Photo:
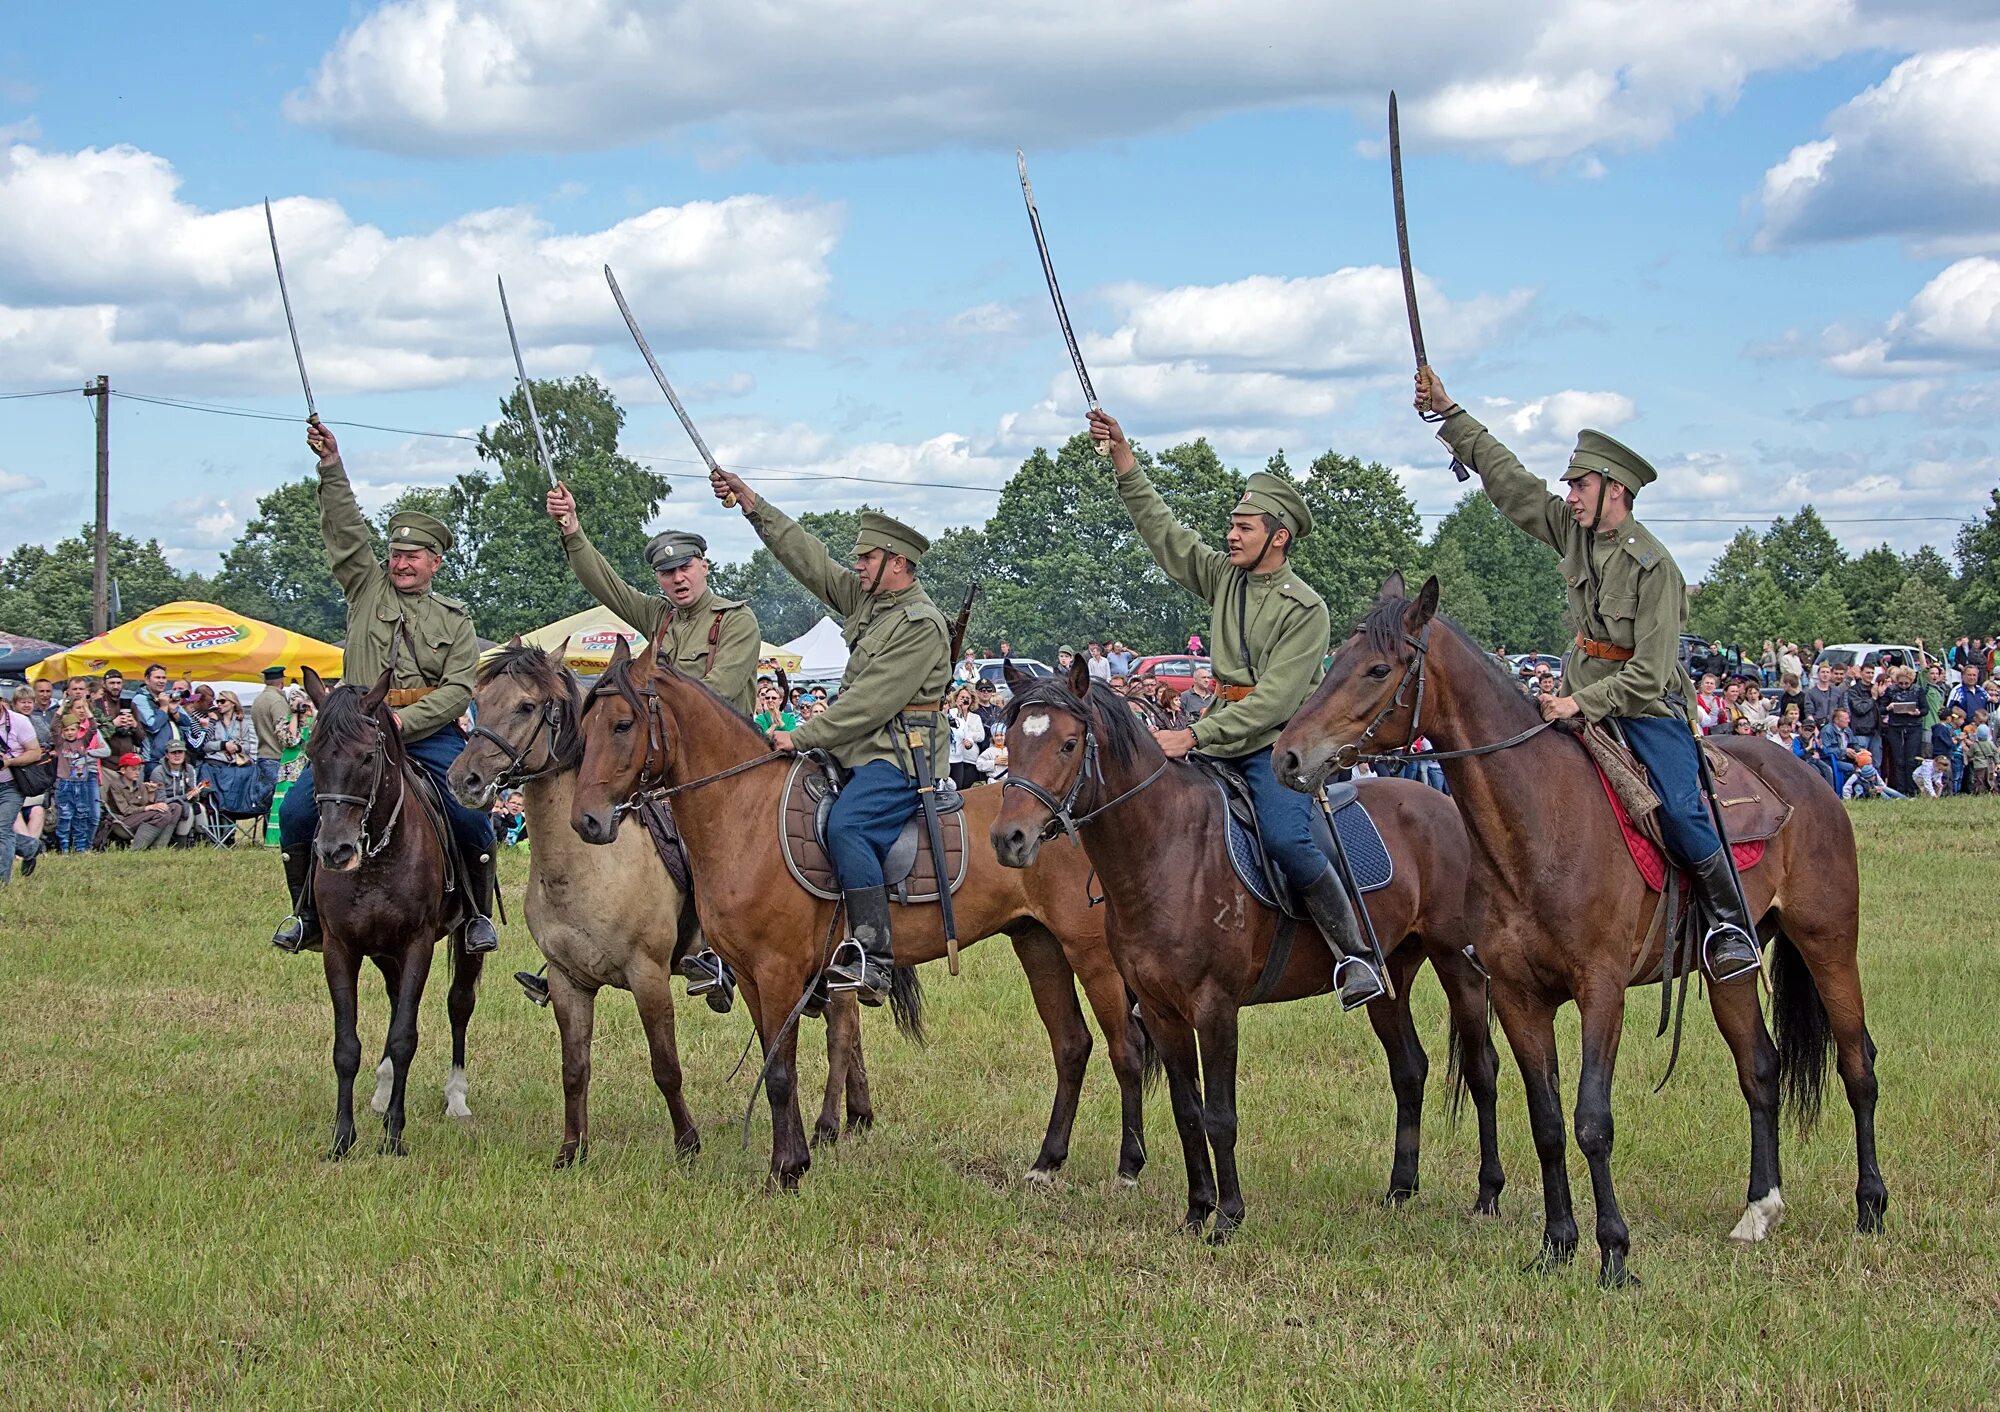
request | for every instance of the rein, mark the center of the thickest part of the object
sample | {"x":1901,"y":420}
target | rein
{"x":1062,"y":819}
{"x":656,"y":744}
{"x":380,"y":759}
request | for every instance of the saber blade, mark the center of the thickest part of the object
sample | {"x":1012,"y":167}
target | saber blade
{"x":1055,"y":292}
{"x":285,"y":294}
{"x":521,"y":372}
{"x":673,"y":400}
{"x":1403,"y":255}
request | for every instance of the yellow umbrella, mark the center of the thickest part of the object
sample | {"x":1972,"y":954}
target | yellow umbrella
{"x":198,"y":640}
{"x":594,"y":633}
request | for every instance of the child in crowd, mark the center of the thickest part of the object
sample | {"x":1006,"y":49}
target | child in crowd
{"x":1866,"y":782}
{"x":1982,"y":758}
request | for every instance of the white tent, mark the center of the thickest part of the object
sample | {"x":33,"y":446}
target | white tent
{"x":822,"y":651}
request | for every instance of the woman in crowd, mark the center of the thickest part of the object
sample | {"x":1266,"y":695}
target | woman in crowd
{"x":176,"y":783}
{"x":229,"y":755}
{"x":1864,"y":707}
{"x":770,"y":709}
{"x":1767,"y":663}
{"x":79,"y":748}
{"x":1167,"y":703}
{"x":968,"y":737}
{"x":1711,"y":711}
{"x":1902,"y":720}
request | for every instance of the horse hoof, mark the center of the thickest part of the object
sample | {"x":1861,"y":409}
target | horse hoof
{"x":859,"y":1123}
{"x":1549,"y":1260}
{"x":338,"y":1150}
{"x":1225,"y":1227}
{"x":1397,"y":1196}
{"x":1486,"y":1206}
{"x":392,"y":1147}
{"x":1195,"y":1222}
{"x":1869,"y":1215}
{"x":566,"y":1157}
{"x":825,"y":1135}
{"x":1759,"y":1219}
{"x":1128,"y":1181}
{"x":1614,"y":1275}
{"x":455,"y":1089}
{"x":1040,"y":1178}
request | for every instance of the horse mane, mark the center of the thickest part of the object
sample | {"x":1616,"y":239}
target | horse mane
{"x":1383,"y":627}
{"x":341,"y":721}
{"x":535,"y":667}
{"x":1124,"y":738}
{"x":618,"y":678}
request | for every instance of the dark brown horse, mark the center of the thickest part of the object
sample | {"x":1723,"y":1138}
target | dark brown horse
{"x":604,"y":916}
{"x":379,"y":876}
{"x":1567,"y":915}
{"x":652,"y":725}
{"x":1193,"y":943}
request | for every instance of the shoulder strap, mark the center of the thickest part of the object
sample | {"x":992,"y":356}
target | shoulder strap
{"x":714,"y":636}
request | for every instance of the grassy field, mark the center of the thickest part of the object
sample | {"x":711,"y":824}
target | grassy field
{"x":170,"y":1236}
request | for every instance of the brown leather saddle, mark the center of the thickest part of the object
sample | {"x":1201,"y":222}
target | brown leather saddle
{"x":1752,"y":811}
{"x":808,"y":798}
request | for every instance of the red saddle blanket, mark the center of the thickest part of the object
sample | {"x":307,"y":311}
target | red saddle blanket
{"x":1651,"y":862}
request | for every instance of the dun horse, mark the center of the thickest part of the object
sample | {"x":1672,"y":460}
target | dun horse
{"x":603,"y":916}
{"x":1194,"y":944}
{"x":651,"y":725}
{"x":1567,"y":914}
{"x":379,"y":875}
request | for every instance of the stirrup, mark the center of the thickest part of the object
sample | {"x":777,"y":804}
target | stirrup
{"x":1367,"y":973}
{"x":708,"y":976}
{"x":1723,"y":967}
{"x":853,"y":969}
{"x":536,"y":987}
{"x":480,"y":937}
{"x":292,"y":935}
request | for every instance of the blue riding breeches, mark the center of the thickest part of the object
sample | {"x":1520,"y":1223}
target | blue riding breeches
{"x":298,"y":816}
{"x":1666,"y":747}
{"x":863,"y":824}
{"x":1284,"y":816}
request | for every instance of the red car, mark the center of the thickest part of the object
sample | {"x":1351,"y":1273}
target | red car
{"x":1177,"y":670}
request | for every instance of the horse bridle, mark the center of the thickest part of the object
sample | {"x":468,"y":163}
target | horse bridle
{"x":656,"y":743}
{"x":1062,"y":818}
{"x":517,"y":772}
{"x":380,"y":760}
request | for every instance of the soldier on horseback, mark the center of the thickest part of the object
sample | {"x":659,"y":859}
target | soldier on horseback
{"x":1268,"y":633}
{"x":883,"y":727}
{"x":388,"y":607}
{"x":713,"y":639}
{"x":1629,"y":598}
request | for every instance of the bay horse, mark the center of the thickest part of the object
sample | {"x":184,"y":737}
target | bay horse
{"x":603,"y":916}
{"x":652,"y":726}
{"x":1193,"y":942}
{"x":1567,"y":914}
{"x":379,"y":876}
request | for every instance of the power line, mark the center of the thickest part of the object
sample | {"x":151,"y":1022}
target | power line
{"x":49,"y":392}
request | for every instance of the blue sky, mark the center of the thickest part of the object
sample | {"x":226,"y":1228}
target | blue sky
{"x":1760,"y":244}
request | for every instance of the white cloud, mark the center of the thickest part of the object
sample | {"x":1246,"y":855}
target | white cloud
{"x":1916,"y":156}
{"x":14,"y":482}
{"x":1560,"y":415}
{"x":1537,"y":81}
{"x":1952,"y":323}
{"x":102,"y":264}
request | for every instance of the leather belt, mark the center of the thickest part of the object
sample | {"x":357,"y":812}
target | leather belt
{"x":922,"y":708}
{"x":1229,"y":692}
{"x":401,"y":696}
{"x":1603,"y":651}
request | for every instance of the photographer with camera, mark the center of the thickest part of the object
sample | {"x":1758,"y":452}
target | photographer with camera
{"x":159,"y":715}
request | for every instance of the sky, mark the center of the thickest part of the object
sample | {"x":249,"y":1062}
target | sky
{"x":1758,"y":242}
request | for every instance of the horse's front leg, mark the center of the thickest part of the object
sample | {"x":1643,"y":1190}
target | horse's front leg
{"x":1175,"y":1039}
{"x":1409,"y":1068}
{"x":1531,"y":1032}
{"x":343,"y":974}
{"x":1218,"y":1110}
{"x":576,"y":1015}
{"x":459,"y":1002}
{"x":1054,"y":990}
{"x":403,"y":1041}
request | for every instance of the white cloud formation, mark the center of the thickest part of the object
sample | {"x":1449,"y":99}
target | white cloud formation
{"x":1535,"y":81}
{"x":1951,"y":324}
{"x":102,"y":264}
{"x":1916,"y":156}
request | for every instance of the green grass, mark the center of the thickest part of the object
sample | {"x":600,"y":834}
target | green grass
{"x":170,"y":1237}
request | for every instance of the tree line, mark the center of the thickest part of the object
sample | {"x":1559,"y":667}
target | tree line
{"x":1057,"y":560}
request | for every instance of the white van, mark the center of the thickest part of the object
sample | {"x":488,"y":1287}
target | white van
{"x":1870,"y":654}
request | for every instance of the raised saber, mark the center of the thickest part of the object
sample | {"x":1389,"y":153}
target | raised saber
{"x":521,"y":372}
{"x":1055,"y":292}
{"x":1409,"y":270}
{"x":646,"y":352}
{"x":312,"y":412}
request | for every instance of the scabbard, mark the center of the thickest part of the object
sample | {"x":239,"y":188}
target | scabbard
{"x":920,"y":756}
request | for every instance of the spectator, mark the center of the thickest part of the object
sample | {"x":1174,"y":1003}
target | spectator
{"x":1097,"y":666}
{"x":1767,"y":664}
{"x":1121,"y":659}
{"x":967,"y":669}
{"x":116,"y":721}
{"x":993,"y":759}
{"x":1167,"y":707}
{"x":510,"y":821}
{"x":159,"y":717}
{"x":28,"y":825}
{"x":1790,"y":695}
{"x":1982,"y":760}
{"x":1789,"y":664}
{"x":986,"y":700}
{"x":770,"y":709}
{"x":1934,"y":690}
{"x":1064,"y":656}
{"x":227,"y":756}
{"x":47,"y":708}
{"x":1710,"y":710}
{"x":968,"y":737}
{"x":1867,"y":783}
{"x":18,"y":746}
{"x":177,"y":784}
{"x":79,"y":747}
{"x":128,"y":798}
{"x":1823,"y":695}
{"x":1835,"y":750}
{"x":1118,"y":683}
{"x":1198,"y":698}
{"x":1863,"y":707}
{"x":270,"y":713}
{"x":1902,"y":729}
{"x":1948,"y":751}
{"x":1968,"y":696}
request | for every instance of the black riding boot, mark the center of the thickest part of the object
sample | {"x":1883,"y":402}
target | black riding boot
{"x":534,"y":985}
{"x":1728,"y":947}
{"x":479,"y":880}
{"x":706,"y":973}
{"x":301,"y":929}
{"x":863,"y":962}
{"x":1354,"y":974}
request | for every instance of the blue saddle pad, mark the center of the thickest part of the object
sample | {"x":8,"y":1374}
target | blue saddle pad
{"x":1367,"y":856}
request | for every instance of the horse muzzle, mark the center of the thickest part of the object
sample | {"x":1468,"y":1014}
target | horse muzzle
{"x":1015,"y":845}
{"x":337,"y":855}
{"x":596,"y":825}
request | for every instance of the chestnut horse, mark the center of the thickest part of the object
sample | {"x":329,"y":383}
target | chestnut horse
{"x":1194,"y":944}
{"x":379,"y":877}
{"x":652,"y":726}
{"x":604,"y":916}
{"x":1567,"y":915}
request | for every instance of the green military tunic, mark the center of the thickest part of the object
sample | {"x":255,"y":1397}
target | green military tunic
{"x":729,"y":667}
{"x":446,"y":650}
{"x":898,"y":645}
{"x":1265,"y":631}
{"x":1624,"y":588}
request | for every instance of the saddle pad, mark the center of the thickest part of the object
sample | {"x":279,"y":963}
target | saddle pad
{"x":908,"y":868}
{"x":1648,"y":857}
{"x":1367,"y":855}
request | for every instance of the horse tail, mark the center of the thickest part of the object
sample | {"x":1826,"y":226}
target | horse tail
{"x":1803,"y":1034}
{"x":1456,"y":1086}
{"x":906,"y":1002}
{"x":1151,"y":1065}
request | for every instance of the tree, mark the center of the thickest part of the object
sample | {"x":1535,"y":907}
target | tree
{"x":46,"y":593}
{"x":1868,"y":582}
{"x":1919,"y":613}
{"x":277,"y":569}
{"x":1517,"y":575}
{"x":1364,"y":527}
{"x":957,"y":559}
{"x":785,"y":610}
{"x":1979,"y":572}
{"x":1800,"y":552}
{"x":1820,"y":613}
{"x":1715,"y":610}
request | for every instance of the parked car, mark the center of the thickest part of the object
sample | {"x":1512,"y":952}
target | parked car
{"x":1870,"y":654}
{"x":1534,"y":660}
{"x":994,"y":669}
{"x":1175,"y":669}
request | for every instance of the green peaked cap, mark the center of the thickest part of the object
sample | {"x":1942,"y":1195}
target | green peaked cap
{"x":1597,"y":452}
{"x":413,"y":529}
{"x":1266,"y":494}
{"x":667,"y":552}
{"x":878,"y":531}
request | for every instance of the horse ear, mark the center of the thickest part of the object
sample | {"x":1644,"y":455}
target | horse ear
{"x":1015,"y":677}
{"x":515,"y":640}
{"x":1392,"y":587}
{"x":659,"y":636}
{"x":379,"y":692}
{"x":1424,"y":607}
{"x":1079,"y":677}
{"x":316,"y":691}
{"x":621,"y":653}
{"x":561,"y":654}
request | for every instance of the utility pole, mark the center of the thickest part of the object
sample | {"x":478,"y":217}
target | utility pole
{"x":100,"y":607}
